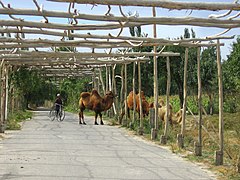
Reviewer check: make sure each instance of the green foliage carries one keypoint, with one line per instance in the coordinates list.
(209, 70)
(231, 69)
(15, 118)
(71, 89)
(230, 104)
(30, 85)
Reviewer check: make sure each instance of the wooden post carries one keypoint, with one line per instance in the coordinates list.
(121, 104)
(106, 86)
(101, 79)
(114, 89)
(198, 145)
(181, 141)
(163, 139)
(109, 79)
(94, 80)
(98, 83)
(151, 117)
(134, 97)
(155, 74)
(125, 96)
(6, 93)
(3, 97)
(111, 110)
(219, 154)
(140, 131)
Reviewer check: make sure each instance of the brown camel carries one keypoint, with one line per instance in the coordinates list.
(145, 105)
(93, 101)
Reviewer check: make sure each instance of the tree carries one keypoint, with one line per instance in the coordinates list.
(209, 74)
(231, 78)
(231, 69)
(177, 68)
(30, 85)
(146, 68)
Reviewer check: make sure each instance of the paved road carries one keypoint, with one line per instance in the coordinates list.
(46, 149)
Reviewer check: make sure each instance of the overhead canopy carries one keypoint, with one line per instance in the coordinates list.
(72, 48)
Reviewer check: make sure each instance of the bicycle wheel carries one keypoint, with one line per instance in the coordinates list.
(61, 115)
(52, 114)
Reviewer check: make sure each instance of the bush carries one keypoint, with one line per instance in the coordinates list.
(230, 104)
(15, 118)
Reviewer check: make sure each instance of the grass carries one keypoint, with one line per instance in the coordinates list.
(210, 142)
(15, 119)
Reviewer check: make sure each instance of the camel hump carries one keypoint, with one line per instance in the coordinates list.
(161, 103)
(131, 93)
(95, 93)
(142, 95)
(84, 94)
(151, 105)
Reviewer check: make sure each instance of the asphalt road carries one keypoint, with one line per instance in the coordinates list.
(46, 149)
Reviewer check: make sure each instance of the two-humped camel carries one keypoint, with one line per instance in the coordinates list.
(93, 101)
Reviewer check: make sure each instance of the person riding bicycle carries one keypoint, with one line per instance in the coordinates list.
(58, 103)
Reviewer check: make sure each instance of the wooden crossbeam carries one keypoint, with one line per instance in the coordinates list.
(107, 37)
(128, 21)
(161, 3)
(64, 54)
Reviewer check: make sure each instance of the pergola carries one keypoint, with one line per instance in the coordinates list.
(25, 42)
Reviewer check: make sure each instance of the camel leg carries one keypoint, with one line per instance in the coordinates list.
(171, 122)
(80, 116)
(96, 115)
(83, 119)
(128, 113)
(100, 114)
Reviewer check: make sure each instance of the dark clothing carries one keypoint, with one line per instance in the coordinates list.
(58, 103)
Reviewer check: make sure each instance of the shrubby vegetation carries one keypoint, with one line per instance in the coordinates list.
(15, 118)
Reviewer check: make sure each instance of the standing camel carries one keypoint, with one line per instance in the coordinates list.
(93, 101)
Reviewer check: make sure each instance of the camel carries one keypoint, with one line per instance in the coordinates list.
(93, 101)
(162, 113)
(178, 116)
(145, 105)
(174, 118)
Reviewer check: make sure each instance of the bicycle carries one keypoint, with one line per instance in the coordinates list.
(53, 113)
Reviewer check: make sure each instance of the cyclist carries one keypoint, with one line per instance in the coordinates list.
(58, 103)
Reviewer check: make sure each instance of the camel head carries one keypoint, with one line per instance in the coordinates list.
(146, 107)
(110, 94)
(161, 103)
(178, 116)
(108, 99)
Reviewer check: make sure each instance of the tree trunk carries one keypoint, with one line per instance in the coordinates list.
(180, 90)
(210, 103)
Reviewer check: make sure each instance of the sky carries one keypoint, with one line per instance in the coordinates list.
(162, 31)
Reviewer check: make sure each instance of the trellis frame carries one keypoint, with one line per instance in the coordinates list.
(19, 26)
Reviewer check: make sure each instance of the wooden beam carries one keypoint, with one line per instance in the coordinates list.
(161, 3)
(82, 55)
(33, 24)
(108, 37)
(223, 23)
